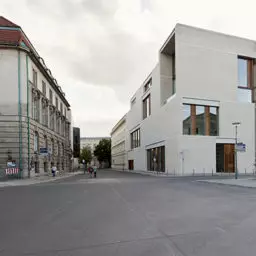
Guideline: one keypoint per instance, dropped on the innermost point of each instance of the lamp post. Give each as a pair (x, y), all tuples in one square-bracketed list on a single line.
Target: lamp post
[(236, 124)]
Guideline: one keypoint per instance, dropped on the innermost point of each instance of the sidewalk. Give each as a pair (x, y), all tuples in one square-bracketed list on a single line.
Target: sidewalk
[(240, 182), (37, 180)]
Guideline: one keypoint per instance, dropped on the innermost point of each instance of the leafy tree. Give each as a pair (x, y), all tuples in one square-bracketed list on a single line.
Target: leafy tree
[(103, 151), (86, 154)]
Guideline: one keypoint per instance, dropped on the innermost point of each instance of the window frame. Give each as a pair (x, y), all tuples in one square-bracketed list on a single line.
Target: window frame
[(146, 106), (249, 71), (207, 120), (135, 138)]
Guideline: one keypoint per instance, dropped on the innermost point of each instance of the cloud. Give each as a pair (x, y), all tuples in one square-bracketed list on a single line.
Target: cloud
[(100, 51)]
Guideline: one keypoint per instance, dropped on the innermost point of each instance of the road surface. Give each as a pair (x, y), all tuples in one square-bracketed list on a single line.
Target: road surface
[(129, 215)]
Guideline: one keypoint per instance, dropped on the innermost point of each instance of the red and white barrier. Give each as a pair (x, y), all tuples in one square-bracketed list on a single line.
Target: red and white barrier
[(10, 171)]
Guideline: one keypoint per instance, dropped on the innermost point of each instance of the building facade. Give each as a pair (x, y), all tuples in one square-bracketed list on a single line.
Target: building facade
[(35, 118), (180, 120), (118, 152), (92, 142)]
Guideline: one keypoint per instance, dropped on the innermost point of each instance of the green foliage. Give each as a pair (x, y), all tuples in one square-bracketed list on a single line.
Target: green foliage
[(103, 151), (86, 154)]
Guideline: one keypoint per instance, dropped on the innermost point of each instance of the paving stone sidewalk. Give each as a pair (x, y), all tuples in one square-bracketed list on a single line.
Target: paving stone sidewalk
[(241, 182), (37, 180)]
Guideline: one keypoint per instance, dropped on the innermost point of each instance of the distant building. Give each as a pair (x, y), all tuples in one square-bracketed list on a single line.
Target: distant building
[(35, 116), (76, 142), (118, 153), (92, 142)]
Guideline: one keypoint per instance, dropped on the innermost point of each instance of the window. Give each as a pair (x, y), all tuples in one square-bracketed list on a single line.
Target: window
[(50, 95), (35, 108), (36, 142), (200, 120), (148, 85), (146, 107), (44, 113), (187, 119), (156, 159), (173, 75), (52, 120), (65, 112), (44, 88), (61, 108), (57, 124), (135, 139), (245, 72), (45, 142), (34, 78), (51, 150), (57, 103)]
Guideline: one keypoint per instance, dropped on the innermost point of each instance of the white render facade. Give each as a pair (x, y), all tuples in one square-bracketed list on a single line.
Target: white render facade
[(196, 93), (35, 115), (118, 152)]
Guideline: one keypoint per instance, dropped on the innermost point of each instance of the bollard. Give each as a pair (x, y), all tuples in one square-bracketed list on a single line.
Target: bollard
[(193, 172)]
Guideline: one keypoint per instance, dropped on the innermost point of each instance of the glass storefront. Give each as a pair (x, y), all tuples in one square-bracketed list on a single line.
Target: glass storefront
[(156, 159)]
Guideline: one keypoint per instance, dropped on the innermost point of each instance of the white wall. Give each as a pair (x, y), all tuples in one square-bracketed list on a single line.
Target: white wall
[(206, 74), (9, 82)]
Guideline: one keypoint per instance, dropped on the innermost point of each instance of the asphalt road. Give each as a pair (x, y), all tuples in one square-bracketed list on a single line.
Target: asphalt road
[(128, 215)]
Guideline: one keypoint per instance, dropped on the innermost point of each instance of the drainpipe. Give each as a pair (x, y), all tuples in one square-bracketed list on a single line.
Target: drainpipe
[(19, 112), (28, 117)]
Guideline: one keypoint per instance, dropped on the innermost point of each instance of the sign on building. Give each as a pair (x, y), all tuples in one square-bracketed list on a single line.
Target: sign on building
[(43, 151), (240, 147)]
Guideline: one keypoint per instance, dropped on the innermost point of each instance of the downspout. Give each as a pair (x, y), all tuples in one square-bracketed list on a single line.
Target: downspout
[(19, 112), (28, 117)]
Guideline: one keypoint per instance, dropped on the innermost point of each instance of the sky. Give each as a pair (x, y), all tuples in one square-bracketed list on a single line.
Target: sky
[(100, 51)]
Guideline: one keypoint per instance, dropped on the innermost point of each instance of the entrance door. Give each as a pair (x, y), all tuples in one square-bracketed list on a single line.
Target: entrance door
[(225, 161), (130, 163)]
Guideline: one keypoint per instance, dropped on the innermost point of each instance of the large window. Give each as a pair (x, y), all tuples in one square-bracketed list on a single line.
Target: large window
[(44, 88), (245, 72), (156, 159), (36, 142), (200, 120), (35, 78), (245, 79), (146, 107), (135, 139), (50, 96)]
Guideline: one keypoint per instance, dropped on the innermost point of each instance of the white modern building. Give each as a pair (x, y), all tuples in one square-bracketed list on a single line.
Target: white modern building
[(180, 120), (35, 116), (118, 152), (91, 142)]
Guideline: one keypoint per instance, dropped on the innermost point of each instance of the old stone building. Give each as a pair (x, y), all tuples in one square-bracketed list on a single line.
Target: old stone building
[(35, 116)]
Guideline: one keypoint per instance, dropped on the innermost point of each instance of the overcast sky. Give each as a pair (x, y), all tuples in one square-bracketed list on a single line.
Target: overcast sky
[(100, 51)]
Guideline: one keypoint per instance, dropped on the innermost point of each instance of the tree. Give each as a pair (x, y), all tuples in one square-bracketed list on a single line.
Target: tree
[(103, 151), (86, 155)]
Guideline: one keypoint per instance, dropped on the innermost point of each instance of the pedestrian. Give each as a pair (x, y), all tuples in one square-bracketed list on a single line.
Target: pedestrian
[(95, 171), (53, 171), (90, 170)]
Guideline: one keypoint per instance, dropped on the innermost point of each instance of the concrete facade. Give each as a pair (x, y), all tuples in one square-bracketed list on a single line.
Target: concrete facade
[(199, 68), (30, 120), (118, 152)]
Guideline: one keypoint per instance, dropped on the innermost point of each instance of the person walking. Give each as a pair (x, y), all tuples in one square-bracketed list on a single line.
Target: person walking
[(95, 171)]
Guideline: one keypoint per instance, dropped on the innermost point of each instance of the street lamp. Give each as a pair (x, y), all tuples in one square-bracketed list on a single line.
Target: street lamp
[(236, 124)]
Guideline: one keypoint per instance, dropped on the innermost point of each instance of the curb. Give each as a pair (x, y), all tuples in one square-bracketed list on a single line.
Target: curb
[(34, 181)]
